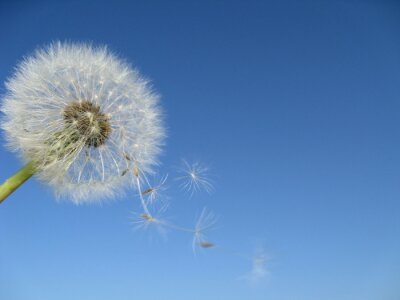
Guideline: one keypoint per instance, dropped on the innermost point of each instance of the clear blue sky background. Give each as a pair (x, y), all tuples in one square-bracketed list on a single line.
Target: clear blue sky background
[(295, 104)]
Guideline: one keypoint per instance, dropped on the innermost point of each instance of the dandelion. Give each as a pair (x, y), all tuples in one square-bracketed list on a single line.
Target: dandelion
[(195, 177), (88, 125), (84, 120)]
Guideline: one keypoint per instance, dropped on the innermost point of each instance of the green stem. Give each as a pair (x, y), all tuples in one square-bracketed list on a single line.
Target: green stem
[(12, 183)]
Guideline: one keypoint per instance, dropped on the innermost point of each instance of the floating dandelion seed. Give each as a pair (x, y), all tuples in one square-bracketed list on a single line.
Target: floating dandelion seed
[(206, 244), (154, 192), (259, 271), (205, 222), (144, 220), (154, 220), (84, 118), (195, 178)]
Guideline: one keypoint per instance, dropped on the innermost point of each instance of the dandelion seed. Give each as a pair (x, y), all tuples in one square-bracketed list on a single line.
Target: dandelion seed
[(148, 191), (205, 222), (84, 117), (136, 170), (147, 217), (206, 244), (259, 271), (155, 192), (124, 172), (144, 221), (195, 178)]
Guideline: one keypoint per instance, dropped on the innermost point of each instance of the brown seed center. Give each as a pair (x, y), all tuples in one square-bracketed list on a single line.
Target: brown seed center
[(88, 122)]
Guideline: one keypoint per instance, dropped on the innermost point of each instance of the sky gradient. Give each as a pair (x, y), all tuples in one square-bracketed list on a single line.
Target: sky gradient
[(295, 106)]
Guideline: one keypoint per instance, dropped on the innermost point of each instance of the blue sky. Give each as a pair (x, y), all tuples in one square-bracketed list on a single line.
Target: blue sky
[(294, 104)]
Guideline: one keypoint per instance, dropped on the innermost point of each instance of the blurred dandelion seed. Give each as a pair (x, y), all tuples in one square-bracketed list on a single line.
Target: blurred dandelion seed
[(155, 192), (259, 271), (145, 221), (195, 178), (206, 244), (205, 222)]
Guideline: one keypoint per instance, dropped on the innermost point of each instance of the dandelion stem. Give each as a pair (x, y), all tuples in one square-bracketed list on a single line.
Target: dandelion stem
[(12, 183)]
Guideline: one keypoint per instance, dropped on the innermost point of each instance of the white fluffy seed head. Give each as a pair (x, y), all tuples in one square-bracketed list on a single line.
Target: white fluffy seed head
[(85, 117)]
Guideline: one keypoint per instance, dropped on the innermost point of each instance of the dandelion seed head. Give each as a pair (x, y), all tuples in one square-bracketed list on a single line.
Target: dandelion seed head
[(84, 117), (88, 121)]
